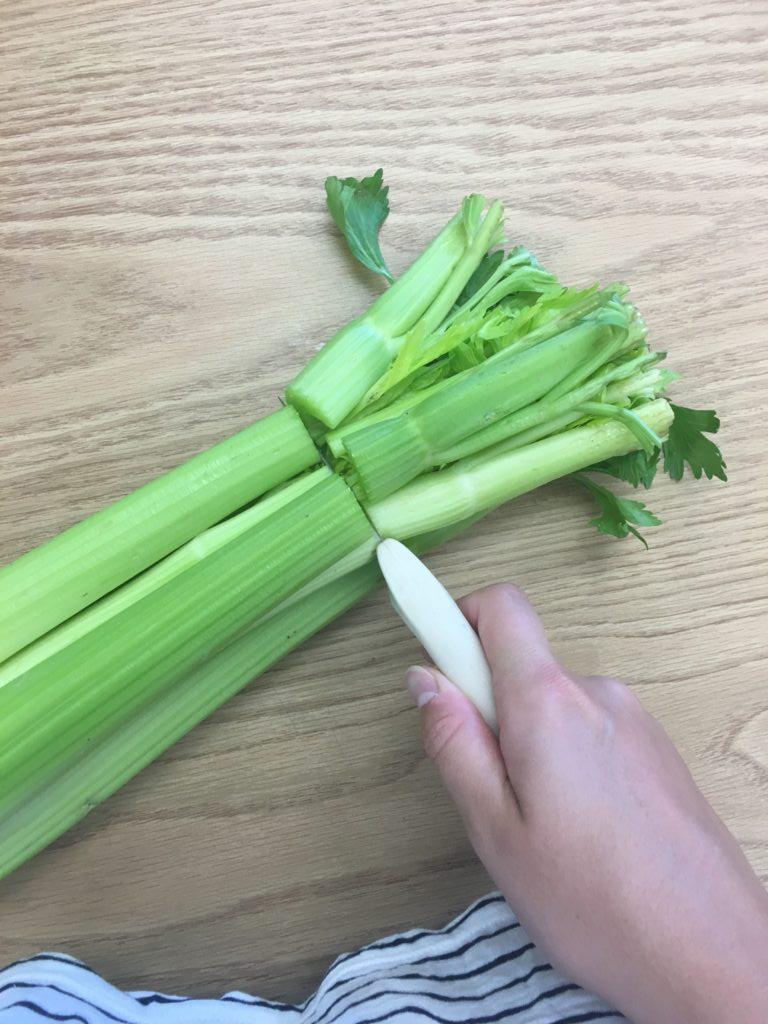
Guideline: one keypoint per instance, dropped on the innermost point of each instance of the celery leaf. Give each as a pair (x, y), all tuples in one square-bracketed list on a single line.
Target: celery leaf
[(687, 444), (636, 468), (359, 208), (618, 516)]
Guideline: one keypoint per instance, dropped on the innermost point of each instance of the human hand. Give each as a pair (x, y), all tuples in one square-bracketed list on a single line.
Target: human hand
[(589, 822)]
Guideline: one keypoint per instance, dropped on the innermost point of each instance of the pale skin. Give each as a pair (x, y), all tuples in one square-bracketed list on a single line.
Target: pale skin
[(590, 823)]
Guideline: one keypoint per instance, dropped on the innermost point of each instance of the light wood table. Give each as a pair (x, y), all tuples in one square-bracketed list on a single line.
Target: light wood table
[(167, 265)]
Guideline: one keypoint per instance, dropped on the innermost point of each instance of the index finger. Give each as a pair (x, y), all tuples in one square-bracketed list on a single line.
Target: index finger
[(513, 639)]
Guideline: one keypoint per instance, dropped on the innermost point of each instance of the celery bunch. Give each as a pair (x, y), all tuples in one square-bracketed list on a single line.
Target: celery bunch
[(475, 377), (524, 380)]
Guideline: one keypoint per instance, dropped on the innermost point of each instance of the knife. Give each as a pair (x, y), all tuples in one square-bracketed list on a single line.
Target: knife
[(434, 618)]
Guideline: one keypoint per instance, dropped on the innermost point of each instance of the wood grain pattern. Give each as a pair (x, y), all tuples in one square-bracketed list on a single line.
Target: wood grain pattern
[(167, 265)]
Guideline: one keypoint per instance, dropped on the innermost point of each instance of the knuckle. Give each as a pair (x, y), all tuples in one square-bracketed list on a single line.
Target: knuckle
[(439, 734), (557, 695), (507, 592), (619, 695)]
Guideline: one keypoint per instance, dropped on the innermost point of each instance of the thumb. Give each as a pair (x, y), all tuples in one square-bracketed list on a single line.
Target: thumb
[(465, 751)]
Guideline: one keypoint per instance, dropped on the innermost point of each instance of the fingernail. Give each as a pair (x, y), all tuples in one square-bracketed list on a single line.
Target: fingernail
[(421, 684)]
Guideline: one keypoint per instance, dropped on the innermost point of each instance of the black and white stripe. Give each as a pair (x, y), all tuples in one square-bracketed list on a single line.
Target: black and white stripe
[(481, 968)]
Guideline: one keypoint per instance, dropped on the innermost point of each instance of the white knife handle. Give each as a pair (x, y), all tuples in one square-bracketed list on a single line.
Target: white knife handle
[(434, 618)]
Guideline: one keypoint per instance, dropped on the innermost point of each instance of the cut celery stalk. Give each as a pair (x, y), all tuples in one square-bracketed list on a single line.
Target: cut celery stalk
[(427, 324), (160, 637), (481, 482), (46, 803), (56, 580), (400, 396), (190, 554), (340, 376), (389, 453), (334, 381), (39, 813), (335, 439), (646, 385), (477, 245)]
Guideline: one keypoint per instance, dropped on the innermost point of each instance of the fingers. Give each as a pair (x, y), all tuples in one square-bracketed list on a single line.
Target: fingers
[(466, 754), (514, 642)]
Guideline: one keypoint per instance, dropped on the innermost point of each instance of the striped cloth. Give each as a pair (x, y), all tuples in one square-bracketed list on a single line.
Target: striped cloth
[(481, 968)]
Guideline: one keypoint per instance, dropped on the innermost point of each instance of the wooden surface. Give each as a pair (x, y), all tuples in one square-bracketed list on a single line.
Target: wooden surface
[(167, 265)]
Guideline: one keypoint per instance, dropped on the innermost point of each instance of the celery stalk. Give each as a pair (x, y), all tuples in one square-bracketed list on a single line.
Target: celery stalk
[(56, 580), (542, 412), (160, 637), (335, 380), (191, 554), (477, 245), (429, 323), (343, 371), (481, 482), (336, 439), (473, 379), (38, 813), (389, 453), (44, 804), (647, 385), (648, 438)]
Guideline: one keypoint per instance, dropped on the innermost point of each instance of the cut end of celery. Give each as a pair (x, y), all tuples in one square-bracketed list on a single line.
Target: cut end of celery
[(328, 387), (381, 462)]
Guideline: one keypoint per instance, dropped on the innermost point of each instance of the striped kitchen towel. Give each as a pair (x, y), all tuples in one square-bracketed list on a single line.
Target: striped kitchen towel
[(481, 968)]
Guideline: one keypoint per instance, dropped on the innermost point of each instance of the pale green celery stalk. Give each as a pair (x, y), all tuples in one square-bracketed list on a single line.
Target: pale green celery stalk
[(335, 438), (365, 553), (478, 244), (481, 482), (567, 318), (403, 396), (49, 584), (190, 554), (336, 379), (647, 385), (388, 454), (37, 813), (355, 559), (553, 426), (41, 809), (154, 641), (422, 348), (540, 413)]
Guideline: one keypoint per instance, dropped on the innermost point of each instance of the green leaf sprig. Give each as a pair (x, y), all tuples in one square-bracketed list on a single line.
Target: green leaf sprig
[(359, 208)]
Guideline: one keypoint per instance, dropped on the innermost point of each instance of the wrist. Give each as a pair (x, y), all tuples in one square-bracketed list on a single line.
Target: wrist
[(722, 979)]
